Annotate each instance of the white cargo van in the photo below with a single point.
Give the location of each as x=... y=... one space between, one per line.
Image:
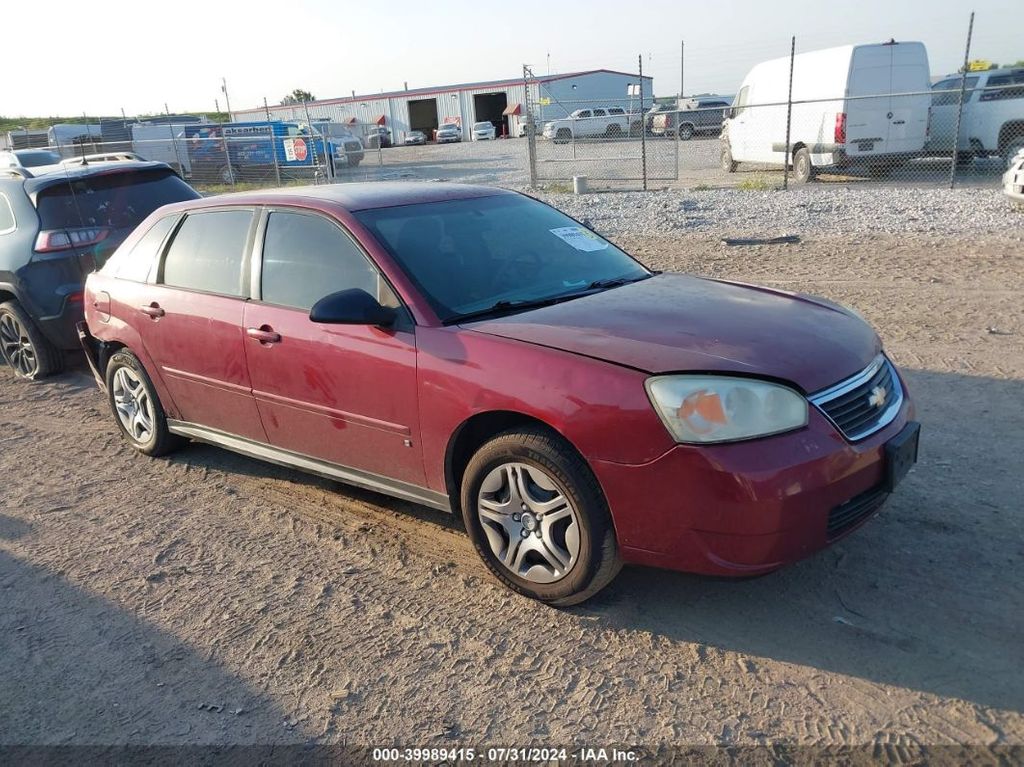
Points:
x=856 y=106
x=164 y=143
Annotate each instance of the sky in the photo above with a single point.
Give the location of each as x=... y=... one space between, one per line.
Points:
x=144 y=55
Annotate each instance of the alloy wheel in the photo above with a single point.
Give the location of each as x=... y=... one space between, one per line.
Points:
x=531 y=526
x=17 y=347
x=133 y=405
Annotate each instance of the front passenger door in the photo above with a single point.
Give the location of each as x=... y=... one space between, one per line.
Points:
x=345 y=394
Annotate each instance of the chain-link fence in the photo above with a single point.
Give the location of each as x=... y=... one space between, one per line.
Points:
x=852 y=114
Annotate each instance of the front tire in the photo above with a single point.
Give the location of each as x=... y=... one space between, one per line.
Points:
x=136 y=407
x=685 y=132
x=24 y=347
x=563 y=136
x=538 y=518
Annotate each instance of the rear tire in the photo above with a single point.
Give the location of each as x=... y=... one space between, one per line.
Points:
x=613 y=131
x=531 y=489
x=803 y=169
x=136 y=407
x=24 y=347
x=725 y=159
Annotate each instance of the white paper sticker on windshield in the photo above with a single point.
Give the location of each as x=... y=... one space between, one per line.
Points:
x=580 y=238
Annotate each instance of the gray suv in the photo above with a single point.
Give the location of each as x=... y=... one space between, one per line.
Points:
x=696 y=116
x=55 y=229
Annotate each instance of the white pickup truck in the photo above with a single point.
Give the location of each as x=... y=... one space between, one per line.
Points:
x=993 y=117
x=608 y=122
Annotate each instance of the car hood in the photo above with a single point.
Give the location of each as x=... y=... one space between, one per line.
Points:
x=675 y=322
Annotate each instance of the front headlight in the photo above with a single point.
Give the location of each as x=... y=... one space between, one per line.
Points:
x=702 y=409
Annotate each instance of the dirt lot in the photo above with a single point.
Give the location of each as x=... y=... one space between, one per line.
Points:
x=137 y=593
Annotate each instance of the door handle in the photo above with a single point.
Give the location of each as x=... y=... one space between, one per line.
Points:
x=153 y=310
x=264 y=334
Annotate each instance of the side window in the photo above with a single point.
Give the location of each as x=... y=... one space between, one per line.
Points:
x=616 y=111
x=7 y=222
x=306 y=257
x=599 y=113
x=584 y=114
x=207 y=253
x=947 y=92
x=998 y=90
x=136 y=264
x=741 y=99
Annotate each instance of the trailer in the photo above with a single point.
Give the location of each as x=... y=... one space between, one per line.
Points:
x=256 y=151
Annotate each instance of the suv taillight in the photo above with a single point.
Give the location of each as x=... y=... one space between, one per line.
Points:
x=64 y=239
x=840 y=136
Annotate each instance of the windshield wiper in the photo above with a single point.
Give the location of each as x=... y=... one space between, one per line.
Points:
x=506 y=306
x=509 y=307
x=614 y=282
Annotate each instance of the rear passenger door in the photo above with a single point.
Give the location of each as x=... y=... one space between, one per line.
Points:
x=345 y=394
x=190 y=321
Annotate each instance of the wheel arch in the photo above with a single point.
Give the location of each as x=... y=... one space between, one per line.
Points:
x=1009 y=131
x=472 y=433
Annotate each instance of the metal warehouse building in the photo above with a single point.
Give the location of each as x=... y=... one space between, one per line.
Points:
x=501 y=102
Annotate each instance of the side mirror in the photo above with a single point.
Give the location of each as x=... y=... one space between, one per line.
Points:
x=352 y=307
x=728 y=113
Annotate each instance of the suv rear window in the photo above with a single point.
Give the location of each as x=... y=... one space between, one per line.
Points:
x=118 y=201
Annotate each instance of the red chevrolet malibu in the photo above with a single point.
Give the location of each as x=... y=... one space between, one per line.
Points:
x=475 y=350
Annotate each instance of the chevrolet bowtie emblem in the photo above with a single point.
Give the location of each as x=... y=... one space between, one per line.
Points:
x=878 y=395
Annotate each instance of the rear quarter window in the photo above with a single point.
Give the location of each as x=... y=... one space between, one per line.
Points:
x=7 y=222
x=137 y=262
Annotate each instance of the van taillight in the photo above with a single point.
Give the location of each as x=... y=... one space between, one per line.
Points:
x=64 y=239
x=841 y=128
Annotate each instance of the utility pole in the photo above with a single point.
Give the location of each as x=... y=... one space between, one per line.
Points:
x=682 y=54
x=227 y=99
x=266 y=108
x=960 y=103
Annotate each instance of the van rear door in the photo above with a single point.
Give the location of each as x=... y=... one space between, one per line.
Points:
x=868 y=102
x=878 y=122
x=908 y=126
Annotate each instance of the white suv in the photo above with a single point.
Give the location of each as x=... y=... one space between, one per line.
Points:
x=610 y=122
x=993 y=118
x=1013 y=179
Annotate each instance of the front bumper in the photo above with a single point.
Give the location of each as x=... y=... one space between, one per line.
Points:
x=750 y=507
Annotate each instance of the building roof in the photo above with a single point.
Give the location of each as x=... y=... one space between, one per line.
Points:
x=449 y=88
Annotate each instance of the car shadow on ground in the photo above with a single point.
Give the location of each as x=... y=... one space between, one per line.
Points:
x=61 y=645
x=925 y=596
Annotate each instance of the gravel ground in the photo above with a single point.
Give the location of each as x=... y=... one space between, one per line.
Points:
x=207 y=598
x=848 y=211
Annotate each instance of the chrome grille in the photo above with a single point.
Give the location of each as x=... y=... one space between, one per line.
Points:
x=864 y=403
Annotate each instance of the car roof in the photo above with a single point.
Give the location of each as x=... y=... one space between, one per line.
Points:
x=72 y=172
x=353 y=196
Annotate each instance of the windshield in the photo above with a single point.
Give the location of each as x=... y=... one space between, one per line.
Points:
x=465 y=256
x=36 y=158
x=118 y=201
x=481 y=126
